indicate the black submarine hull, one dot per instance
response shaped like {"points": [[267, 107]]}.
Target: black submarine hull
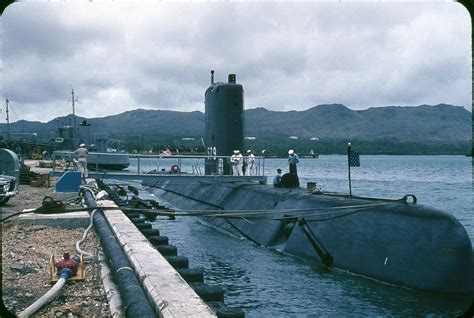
{"points": [[401, 243]]}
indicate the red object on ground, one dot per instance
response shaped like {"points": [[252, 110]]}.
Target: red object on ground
{"points": [[67, 262]]}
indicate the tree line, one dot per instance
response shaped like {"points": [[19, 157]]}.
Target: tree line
{"points": [[277, 147]]}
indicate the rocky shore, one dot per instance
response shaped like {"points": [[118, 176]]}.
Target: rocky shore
{"points": [[26, 251]]}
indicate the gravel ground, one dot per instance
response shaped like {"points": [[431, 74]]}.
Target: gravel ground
{"points": [[26, 251]]}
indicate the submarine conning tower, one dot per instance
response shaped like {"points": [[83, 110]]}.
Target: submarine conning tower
{"points": [[224, 123]]}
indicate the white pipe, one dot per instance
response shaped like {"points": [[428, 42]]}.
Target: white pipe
{"points": [[46, 298], [88, 256]]}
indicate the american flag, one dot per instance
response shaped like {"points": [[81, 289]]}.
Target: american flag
{"points": [[354, 159], [165, 153]]}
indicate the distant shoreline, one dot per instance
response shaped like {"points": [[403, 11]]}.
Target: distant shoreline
{"points": [[398, 155]]}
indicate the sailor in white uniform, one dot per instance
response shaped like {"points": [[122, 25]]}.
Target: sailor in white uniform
{"points": [[250, 163], [236, 160], [81, 154]]}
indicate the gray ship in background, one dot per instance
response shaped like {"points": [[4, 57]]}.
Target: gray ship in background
{"points": [[104, 152], [395, 241]]}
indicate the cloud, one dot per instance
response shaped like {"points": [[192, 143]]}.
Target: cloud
{"points": [[287, 55]]}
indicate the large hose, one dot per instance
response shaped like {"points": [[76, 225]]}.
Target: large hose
{"points": [[134, 299], [49, 296]]}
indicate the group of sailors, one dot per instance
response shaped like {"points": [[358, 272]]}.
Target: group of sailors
{"points": [[237, 161]]}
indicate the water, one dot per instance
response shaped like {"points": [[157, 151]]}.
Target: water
{"points": [[267, 283]]}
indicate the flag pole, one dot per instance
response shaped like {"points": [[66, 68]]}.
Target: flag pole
{"points": [[349, 167]]}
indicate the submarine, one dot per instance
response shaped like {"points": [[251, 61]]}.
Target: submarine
{"points": [[394, 241]]}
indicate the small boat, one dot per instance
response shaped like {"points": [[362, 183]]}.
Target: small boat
{"points": [[310, 155]]}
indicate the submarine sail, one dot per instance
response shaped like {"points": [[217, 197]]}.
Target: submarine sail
{"points": [[224, 104]]}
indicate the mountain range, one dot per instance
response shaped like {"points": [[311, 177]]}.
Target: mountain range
{"points": [[441, 123]]}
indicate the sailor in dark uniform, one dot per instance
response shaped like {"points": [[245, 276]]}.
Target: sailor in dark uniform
{"points": [[293, 159], [277, 179]]}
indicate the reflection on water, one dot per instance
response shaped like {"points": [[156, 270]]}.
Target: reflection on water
{"points": [[264, 282]]}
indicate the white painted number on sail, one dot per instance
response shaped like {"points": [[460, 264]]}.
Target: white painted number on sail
{"points": [[211, 152]]}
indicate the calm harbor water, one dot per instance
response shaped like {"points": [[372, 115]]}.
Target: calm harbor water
{"points": [[267, 283]]}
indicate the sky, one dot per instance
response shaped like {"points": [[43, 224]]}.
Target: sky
{"points": [[288, 56]]}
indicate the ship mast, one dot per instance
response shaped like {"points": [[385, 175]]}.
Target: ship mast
{"points": [[8, 121], [73, 117]]}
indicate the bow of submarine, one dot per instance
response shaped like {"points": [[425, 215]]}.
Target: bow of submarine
{"points": [[400, 243]]}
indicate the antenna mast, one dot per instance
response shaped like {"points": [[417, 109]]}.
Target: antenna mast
{"points": [[8, 122], [73, 116], [73, 109]]}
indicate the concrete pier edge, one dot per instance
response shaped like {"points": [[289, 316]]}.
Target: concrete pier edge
{"points": [[167, 290]]}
